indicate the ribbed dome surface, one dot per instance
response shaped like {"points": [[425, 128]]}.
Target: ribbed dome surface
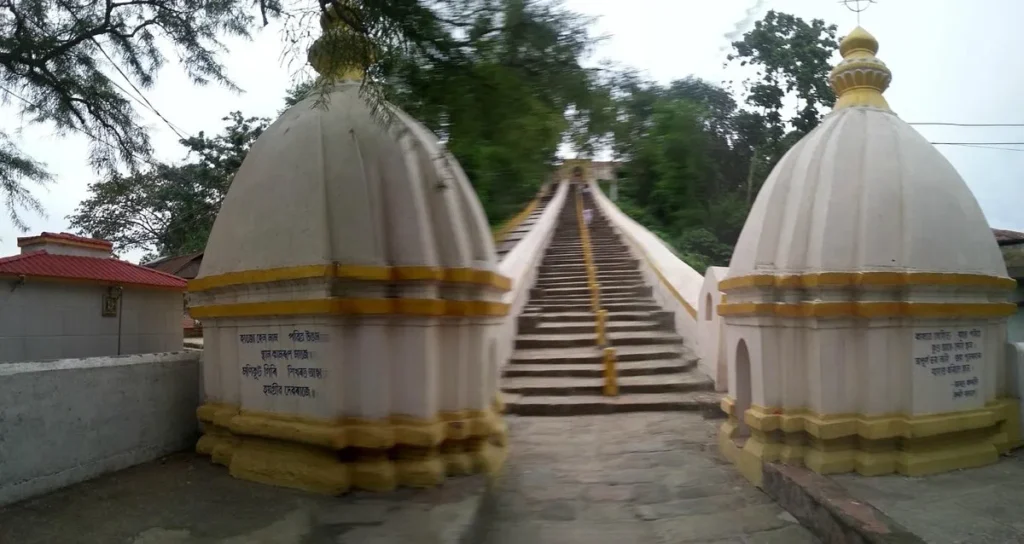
{"points": [[865, 192], [335, 185]]}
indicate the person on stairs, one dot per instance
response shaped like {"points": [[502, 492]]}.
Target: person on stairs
{"points": [[588, 214]]}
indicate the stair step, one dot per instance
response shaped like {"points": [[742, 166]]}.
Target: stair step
{"points": [[589, 316], [596, 404], [585, 295], [599, 261], [577, 249], [663, 383], [582, 283], [554, 340], [562, 327], [590, 354], [596, 370], [554, 302], [611, 256], [585, 306], [582, 273], [609, 289], [607, 263]]}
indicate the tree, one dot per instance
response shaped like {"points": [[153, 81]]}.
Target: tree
{"points": [[791, 56], [498, 91], [693, 158], [70, 65], [498, 103], [169, 209], [56, 61]]}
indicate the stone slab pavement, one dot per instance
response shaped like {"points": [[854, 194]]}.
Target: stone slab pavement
{"points": [[973, 506], [185, 499], [640, 478]]}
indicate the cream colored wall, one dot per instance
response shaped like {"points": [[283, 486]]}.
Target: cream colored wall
{"points": [[42, 321], [521, 265], [653, 253], [844, 366], [710, 340], [58, 248]]}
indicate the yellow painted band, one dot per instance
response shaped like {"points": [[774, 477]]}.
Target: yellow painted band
{"points": [[689, 309], [511, 225], [353, 272], [661, 277], [868, 310], [355, 306], [866, 279], [349, 432], [879, 427], [588, 259]]}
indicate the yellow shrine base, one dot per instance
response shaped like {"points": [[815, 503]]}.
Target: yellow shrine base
{"points": [[333, 457], [871, 446]]}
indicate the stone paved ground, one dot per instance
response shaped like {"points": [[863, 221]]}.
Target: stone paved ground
{"points": [[638, 478], [975, 506], [184, 499]]}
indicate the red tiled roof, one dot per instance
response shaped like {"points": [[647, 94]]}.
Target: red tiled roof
{"points": [[72, 267], [64, 237], [177, 265]]}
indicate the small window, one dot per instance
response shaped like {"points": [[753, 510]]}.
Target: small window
{"points": [[707, 307]]}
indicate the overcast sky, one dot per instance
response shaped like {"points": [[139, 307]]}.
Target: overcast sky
{"points": [[952, 61]]}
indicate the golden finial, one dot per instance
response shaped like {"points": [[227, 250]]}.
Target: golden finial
{"points": [[327, 54], [860, 78]]}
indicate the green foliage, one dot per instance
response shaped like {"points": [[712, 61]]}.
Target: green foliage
{"points": [[494, 85], [501, 84], [693, 159], [500, 96], [60, 62], [791, 56], [169, 209]]}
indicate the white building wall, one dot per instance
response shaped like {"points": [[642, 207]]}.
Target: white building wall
{"points": [[66, 421], [63, 248], [47, 320]]}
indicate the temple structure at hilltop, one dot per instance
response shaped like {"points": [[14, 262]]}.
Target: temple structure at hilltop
{"points": [[866, 302], [349, 294]]}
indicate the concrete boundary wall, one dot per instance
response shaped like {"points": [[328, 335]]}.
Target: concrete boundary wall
{"points": [[66, 421], [676, 286], [521, 265]]}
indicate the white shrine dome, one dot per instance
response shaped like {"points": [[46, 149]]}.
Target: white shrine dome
{"points": [[332, 183], [865, 192]]}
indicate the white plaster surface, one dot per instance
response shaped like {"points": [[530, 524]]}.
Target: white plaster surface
{"points": [[710, 340], [60, 247], [49, 320], [385, 195], [865, 191], [683, 278], [65, 421], [521, 265]]}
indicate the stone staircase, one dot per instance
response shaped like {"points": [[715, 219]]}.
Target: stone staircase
{"points": [[505, 245], [556, 368]]}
